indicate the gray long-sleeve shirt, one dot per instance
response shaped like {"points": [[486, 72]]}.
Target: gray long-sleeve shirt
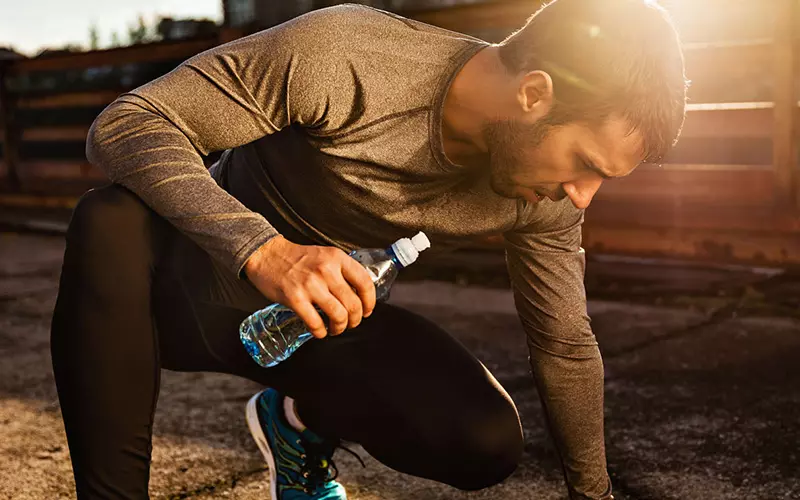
{"points": [[331, 124]]}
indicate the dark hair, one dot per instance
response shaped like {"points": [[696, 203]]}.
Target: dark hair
{"points": [[607, 57]]}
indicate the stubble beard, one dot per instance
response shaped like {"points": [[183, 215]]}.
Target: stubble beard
{"points": [[507, 140]]}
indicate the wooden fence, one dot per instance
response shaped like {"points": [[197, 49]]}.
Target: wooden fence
{"points": [[729, 192]]}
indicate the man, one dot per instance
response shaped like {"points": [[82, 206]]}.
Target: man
{"points": [[351, 127]]}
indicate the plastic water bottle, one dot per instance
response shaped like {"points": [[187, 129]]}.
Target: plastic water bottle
{"points": [[272, 334]]}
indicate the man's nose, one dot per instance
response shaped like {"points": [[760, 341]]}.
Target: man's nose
{"points": [[582, 191]]}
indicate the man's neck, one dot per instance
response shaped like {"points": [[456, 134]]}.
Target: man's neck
{"points": [[471, 99]]}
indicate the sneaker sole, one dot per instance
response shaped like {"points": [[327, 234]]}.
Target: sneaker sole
{"points": [[261, 440]]}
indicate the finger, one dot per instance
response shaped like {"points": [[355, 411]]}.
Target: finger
{"points": [[308, 314], [360, 280], [348, 298], [333, 309]]}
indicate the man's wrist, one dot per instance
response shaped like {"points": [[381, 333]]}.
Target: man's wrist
{"points": [[253, 262]]}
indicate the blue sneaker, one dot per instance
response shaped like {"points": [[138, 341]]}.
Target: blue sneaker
{"points": [[300, 463]]}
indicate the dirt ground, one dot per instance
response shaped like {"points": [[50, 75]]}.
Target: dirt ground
{"points": [[702, 387]]}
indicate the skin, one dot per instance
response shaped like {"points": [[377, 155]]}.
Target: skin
{"points": [[494, 121], [497, 121], [300, 276]]}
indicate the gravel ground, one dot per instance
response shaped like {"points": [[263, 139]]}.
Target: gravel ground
{"points": [[702, 393]]}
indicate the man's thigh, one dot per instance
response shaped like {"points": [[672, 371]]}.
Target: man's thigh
{"points": [[198, 306]]}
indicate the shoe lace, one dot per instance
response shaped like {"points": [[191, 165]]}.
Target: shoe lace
{"points": [[318, 466]]}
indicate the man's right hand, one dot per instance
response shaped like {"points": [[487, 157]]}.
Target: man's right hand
{"points": [[303, 276]]}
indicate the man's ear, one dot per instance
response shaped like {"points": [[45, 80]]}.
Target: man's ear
{"points": [[535, 95]]}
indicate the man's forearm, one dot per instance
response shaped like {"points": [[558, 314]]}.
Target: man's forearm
{"points": [[571, 388]]}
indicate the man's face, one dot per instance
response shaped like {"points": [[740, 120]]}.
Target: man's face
{"points": [[538, 160]]}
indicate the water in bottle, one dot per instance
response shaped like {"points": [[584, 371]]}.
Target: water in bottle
{"points": [[272, 334]]}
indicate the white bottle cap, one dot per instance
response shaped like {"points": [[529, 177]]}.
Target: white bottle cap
{"points": [[421, 241], [408, 249]]}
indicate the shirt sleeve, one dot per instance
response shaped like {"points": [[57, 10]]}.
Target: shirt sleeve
{"points": [[546, 265], [151, 139]]}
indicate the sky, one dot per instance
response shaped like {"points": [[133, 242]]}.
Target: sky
{"points": [[30, 25]]}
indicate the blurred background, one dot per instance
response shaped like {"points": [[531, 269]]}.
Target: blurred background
{"points": [[728, 192]]}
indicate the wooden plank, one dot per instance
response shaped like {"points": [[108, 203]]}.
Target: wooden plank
{"points": [[746, 71], [699, 216], [149, 52], [77, 133], [37, 201], [722, 150], [77, 170], [510, 14], [722, 54], [707, 185], [746, 121], [717, 167], [784, 151], [718, 246], [690, 48], [729, 106], [69, 99], [9, 131]]}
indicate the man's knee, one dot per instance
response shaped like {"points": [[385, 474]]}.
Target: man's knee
{"points": [[491, 447], [108, 212]]}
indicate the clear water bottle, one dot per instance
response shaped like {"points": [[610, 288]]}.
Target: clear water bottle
{"points": [[272, 334]]}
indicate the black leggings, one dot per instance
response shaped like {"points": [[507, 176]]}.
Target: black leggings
{"points": [[136, 296]]}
